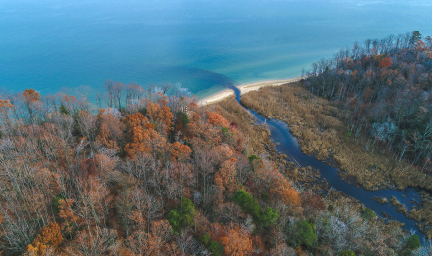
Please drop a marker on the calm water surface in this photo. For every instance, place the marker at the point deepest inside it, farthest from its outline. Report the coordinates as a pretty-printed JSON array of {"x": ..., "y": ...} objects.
[{"x": 50, "y": 44}]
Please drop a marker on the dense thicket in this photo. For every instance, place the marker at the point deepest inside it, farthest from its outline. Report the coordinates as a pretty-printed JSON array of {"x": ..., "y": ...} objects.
[
  {"x": 160, "y": 177},
  {"x": 385, "y": 88}
]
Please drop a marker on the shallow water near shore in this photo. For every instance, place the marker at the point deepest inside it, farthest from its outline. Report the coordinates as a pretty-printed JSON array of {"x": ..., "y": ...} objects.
[{"x": 50, "y": 44}]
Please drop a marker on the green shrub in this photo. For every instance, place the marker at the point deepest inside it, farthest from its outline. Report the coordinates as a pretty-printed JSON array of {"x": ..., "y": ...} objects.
[
  {"x": 183, "y": 217},
  {"x": 56, "y": 203},
  {"x": 348, "y": 134},
  {"x": 368, "y": 214},
  {"x": 248, "y": 203},
  {"x": 252, "y": 157},
  {"x": 216, "y": 248},
  {"x": 205, "y": 239},
  {"x": 183, "y": 118},
  {"x": 244, "y": 152},
  {"x": 413, "y": 242},
  {"x": 226, "y": 132},
  {"x": 367, "y": 252},
  {"x": 406, "y": 252},
  {"x": 290, "y": 231},
  {"x": 305, "y": 234},
  {"x": 268, "y": 217}
]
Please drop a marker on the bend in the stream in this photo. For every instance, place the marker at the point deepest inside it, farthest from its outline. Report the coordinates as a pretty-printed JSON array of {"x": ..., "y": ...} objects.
[{"x": 290, "y": 147}]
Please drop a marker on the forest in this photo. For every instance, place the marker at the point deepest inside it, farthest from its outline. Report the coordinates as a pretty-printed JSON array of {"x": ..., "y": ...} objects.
[
  {"x": 156, "y": 174},
  {"x": 385, "y": 89}
]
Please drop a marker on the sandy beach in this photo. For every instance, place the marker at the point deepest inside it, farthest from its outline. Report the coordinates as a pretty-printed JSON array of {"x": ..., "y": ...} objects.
[
  {"x": 245, "y": 88},
  {"x": 216, "y": 97}
]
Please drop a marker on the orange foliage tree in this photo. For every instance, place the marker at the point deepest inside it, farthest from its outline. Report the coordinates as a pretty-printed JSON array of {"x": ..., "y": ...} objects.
[
  {"x": 236, "y": 242},
  {"x": 31, "y": 98},
  {"x": 161, "y": 115},
  {"x": 141, "y": 139},
  {"x": 50, "y": 236},
  {"x": 216, "y": 119},
  {"x": 419, "y": 45},
  {"x": 385, "y": 62},
  {"x": 284, "y": 192},
  {"x": 225, "y": 177},
  {"x": 70, "y": 219},
  {"x": 31, "y": 95},
  {"x": 110, "y": 130},
  {"x": 180, "y": 151},
  {"x": 5, "y": 104}
]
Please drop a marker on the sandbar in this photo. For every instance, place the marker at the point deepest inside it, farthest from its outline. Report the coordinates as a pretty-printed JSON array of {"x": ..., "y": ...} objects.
[{"x": 245, "y": 88}]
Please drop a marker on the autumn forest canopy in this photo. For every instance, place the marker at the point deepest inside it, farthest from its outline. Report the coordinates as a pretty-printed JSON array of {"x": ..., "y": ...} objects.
[{"x": 163, "y": 176}]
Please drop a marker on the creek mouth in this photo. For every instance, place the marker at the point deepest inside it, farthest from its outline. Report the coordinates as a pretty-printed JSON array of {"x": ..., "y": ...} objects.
[{"x": 288, "y": 145}]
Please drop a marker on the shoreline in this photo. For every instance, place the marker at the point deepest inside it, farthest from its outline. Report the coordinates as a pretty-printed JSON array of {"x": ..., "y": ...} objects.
[{"x": 244, "y": 88}]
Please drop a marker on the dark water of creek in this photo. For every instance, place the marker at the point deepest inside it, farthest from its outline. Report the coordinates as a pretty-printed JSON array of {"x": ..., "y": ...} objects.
[{"x": 290, "y": 147}]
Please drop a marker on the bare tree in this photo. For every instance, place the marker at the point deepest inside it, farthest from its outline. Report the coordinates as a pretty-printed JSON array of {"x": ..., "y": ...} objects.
[
  {"x": 118, "y": 89},
  {"x": 109, "y": 87}
]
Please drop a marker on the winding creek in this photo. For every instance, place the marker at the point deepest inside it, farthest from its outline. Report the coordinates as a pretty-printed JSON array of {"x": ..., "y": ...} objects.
[{"x": 289, "y": 146}]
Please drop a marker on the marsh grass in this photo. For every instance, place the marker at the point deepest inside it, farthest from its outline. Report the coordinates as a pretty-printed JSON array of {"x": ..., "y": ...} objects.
[
  {"x": 324, "y": 131},
  {"x": 381, "y": 200},
  {"x": 423, "y": 214},
  {"x": 398, "y": 205}
]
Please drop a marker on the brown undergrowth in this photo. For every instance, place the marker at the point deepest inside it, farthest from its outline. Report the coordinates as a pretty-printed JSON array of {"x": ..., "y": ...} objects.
[
  {"x": 324, "y": 131},
  {"x": 257, "y": 137},
  {"x": 423, "y": 213}
]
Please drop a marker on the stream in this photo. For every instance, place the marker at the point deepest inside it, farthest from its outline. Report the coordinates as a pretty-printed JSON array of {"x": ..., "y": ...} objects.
[{"x": 289, "y": 146}]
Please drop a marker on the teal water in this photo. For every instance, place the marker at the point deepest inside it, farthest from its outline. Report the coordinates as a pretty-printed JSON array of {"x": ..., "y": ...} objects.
[{"x": 203, "y": 44}]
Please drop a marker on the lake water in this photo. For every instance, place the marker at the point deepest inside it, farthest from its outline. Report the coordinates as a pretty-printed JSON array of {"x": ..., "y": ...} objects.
[{"x": 202, "y": 44}]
